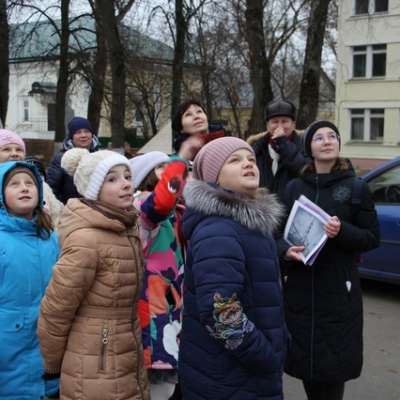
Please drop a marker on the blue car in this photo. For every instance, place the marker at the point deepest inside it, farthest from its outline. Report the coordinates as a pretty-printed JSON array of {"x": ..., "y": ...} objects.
[{"x": 383, "y": 263}]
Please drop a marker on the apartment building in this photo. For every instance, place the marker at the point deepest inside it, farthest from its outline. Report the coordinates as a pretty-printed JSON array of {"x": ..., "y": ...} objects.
[{"x": 368, "y": 80}]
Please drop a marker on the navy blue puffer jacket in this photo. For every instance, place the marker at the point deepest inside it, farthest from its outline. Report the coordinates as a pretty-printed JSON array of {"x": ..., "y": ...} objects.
[{"x": 234, "y": 337}]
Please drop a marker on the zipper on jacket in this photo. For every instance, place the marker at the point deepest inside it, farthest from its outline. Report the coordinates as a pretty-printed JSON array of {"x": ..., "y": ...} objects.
[
  {"x": 312, "y": 325},
  {"x": 104, "y": 342},
  {"x": 317, "y": 185}
]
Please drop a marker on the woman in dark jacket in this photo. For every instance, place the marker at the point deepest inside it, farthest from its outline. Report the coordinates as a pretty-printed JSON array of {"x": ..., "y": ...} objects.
[
  {"x": 80, "y": 135},
  {"x": 191, "y": 119},
  {"x": 234, "y": 337},
  {"x": 323, "y": 302}
]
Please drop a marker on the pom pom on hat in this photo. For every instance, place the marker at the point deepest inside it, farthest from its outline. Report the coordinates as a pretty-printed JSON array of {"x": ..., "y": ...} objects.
[
  {"x": 90, "y": 169},
  {"x": 10, "y": 137},
  {"x": 210, "y": 159},
  {"x": 144, "y": 164},
  {"x": 77, "y": 123},
  {"x": 309, "y": 133}
]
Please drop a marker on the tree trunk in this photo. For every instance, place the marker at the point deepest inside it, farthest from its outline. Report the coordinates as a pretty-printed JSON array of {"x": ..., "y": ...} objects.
[
  {"x": 4, "y": 66},
  {"x": 179, "y": 56},
  {"x": 98, "y": 75},
  {"x": 259, "y": 68},
  {"x": 116, "y": 58},
  {"x": 309, "y": 88},
  {"x": 62, "y": 82}
]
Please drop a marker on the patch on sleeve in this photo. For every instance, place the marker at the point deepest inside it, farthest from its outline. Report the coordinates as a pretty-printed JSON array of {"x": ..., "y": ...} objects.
[{"x": 231, "y": 323}]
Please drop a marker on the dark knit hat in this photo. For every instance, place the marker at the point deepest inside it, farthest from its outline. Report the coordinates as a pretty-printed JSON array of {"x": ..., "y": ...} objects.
[
  {"x": 280, "y": 107},
  {"x": 29, "y": 158},
  {"x": 77, "y": 123},
  {"x": 18, "y": 169},
  {"x": 210, "y": 159},
  {"x": 309, "y": 133}
]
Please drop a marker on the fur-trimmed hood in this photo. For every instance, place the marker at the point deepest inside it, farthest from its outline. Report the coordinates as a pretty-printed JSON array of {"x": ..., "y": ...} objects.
[
  {"x": 254, "y": 138},
  {"x": 262, "y": 214}
]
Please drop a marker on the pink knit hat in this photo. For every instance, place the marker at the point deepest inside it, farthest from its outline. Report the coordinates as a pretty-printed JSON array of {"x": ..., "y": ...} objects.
[
  {"x": 8, "y": 137},
  {"x": 210, "y": 159}
]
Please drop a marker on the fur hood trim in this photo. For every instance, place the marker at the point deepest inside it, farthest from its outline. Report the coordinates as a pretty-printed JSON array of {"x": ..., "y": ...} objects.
[
  {"x": 254, "y": 138},
  {"x": 263, "y": 213}
]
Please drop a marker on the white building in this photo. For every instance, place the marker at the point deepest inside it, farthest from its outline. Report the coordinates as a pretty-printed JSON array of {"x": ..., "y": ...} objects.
[{"x": 368, "y": 80}]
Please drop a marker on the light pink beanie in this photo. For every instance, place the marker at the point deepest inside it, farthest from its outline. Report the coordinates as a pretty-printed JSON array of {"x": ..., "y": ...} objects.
[
  {"x": 10, "y": 137},
  {"x": 210, "y": 159}
]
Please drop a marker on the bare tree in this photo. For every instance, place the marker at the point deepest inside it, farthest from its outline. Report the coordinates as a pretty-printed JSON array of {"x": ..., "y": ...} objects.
[
  {"x": 96, "y": 74},
  {"x": 260, "y": 74},
  {"x": 112, "y": 13},
  {"x": 4, "y": 68},
  {"x": 310, "y": 83},
  {"x": 62, "y": 82}
]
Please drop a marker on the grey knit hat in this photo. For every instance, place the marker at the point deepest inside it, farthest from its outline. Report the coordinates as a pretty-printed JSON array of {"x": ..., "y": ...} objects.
[
  {"x": 90, "y": 169},
  {"x": 309, "y": 133},
  {"x": 210, "y": 159}
]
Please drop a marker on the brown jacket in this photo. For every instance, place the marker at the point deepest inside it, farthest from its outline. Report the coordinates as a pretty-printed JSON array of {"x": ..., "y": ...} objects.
[{"x": 88, "y": 324}]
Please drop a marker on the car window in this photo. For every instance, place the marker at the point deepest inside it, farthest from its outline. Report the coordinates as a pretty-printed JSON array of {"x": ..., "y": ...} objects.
[{"x": 385, "y": 187}]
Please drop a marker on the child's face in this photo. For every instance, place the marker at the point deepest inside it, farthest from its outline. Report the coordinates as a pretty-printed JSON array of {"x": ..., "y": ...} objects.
[
  {"x": 159, "y": 170},
  {"x": 11, "y": 152},
  {"x": 240, "y": 173},
  {"x": 117, "y": 188},
  {"x": 21, "y": 195}
]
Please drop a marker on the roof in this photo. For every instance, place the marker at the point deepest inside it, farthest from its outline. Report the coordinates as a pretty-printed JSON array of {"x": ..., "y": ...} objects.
[
  {"x": 162, "y": 141},
  {"x": 39, "y": 40}
]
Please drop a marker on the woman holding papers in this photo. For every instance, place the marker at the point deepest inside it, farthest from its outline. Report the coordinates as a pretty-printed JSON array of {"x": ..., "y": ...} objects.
[
  {"x": 323, "y": 302},
  {"x": 234, "y": 337}
]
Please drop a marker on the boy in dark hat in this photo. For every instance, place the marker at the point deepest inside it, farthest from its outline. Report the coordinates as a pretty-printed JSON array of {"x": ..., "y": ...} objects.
[
  {"x": 80, "y": 135},
  {"x": 279, "y": 151}
]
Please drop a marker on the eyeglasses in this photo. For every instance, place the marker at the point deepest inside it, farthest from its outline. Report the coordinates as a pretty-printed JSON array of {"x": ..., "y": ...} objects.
[{"x": 333, "y": 137}]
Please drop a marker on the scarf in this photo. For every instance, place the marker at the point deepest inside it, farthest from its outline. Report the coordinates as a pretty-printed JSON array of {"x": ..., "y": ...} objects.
[
  {"x": 128, "y": 218},
  {"x": 274, "y": 154}
]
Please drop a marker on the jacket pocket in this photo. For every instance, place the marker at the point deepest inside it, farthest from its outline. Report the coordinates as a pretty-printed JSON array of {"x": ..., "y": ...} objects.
[
  {"x": 11, "y": 321},
  {"x": 103, "y": 350}
]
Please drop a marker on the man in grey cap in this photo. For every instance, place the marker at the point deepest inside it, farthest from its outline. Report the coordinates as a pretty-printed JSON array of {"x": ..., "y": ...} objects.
[{"x": 279, "y": 152}]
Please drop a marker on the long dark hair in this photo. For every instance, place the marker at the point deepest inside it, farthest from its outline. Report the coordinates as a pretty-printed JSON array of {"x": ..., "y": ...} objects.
[
  {"x": 149, "y": 183},
  {"x": 340, "y": 164}
]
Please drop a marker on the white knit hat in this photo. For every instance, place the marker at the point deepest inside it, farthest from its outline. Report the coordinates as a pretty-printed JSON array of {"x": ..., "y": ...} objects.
[
  {"x": 90, "y": 169},
  {"x": 143, "y": 165}
]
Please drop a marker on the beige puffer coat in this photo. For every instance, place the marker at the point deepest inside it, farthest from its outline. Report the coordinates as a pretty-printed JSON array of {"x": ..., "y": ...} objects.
[{"x": 88, "y": 324}]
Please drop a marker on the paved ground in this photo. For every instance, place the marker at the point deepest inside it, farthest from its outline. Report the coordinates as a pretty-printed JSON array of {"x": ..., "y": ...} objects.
[{"x": 380, "y": 378}]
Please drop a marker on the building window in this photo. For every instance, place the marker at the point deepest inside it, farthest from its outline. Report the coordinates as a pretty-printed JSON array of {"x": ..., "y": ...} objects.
[
  {"x": 370, "y": 6},
  {"x": 26, "y": 110},
  {"x": 361, "y": 7},
  {"x": 381, "y": 5},
  {"x": 369, "y": 61},
  {"x": 367, "y": 124}
]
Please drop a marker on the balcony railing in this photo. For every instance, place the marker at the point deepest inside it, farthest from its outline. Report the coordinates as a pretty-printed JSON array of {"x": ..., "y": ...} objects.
[{"x": 33, "y": 124}]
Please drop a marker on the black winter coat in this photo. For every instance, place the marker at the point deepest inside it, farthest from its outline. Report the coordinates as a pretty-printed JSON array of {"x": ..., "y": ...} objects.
[
  {"x": 323, "y": 302},
  {"x": 231, "y": 265},
  {"x": 292, "y": 160},
  {"x": 58, "y": 179}
]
